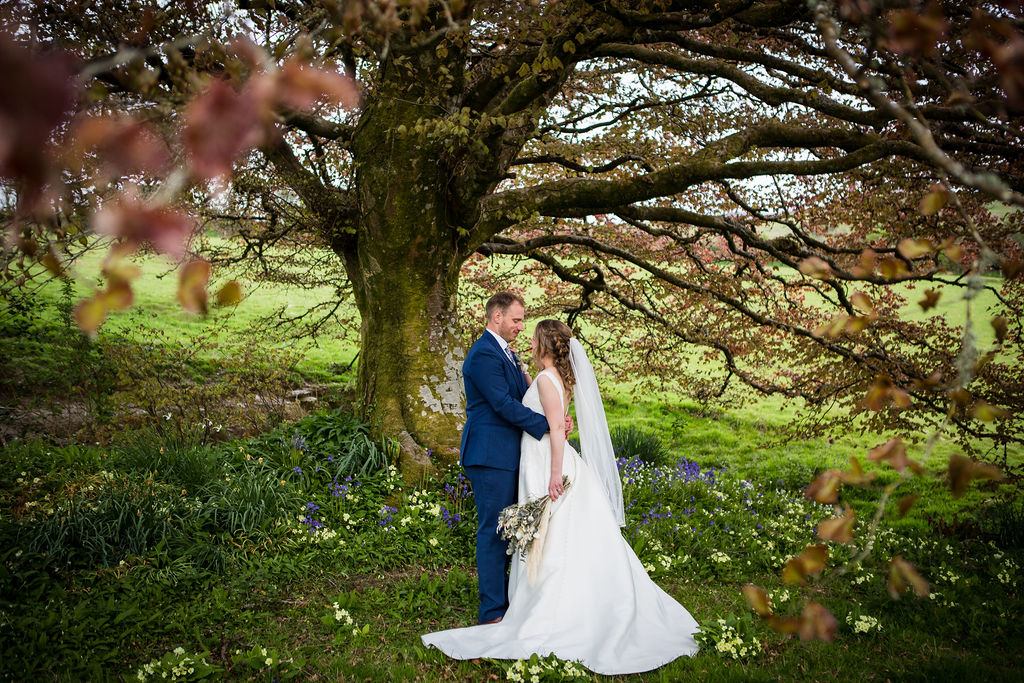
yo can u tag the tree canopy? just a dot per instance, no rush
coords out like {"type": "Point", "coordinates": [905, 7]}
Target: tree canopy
{"type": "Point", "coordinates": [767, 181]}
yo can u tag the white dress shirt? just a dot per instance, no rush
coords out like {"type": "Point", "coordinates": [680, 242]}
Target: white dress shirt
{"type": "Point", "coordinates": [504, 346]}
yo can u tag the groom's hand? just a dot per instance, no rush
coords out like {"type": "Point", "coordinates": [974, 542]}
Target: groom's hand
{"type": "Point", "coordinates": [568, 425]}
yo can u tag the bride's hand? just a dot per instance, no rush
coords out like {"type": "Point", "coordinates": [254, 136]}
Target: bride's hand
{"type": "Point", "coordinates": [555, 488]}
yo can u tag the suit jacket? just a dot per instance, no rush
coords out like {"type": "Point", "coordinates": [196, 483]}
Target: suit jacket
{"type": "Point", "coordinates": [495, 414]}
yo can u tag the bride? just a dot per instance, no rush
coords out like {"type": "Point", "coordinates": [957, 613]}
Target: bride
{"type": "Point", "coordinates": [586, 596]}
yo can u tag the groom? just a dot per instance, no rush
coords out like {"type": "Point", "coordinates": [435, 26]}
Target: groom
{"type": "Point", "coordinates": [495, 420]}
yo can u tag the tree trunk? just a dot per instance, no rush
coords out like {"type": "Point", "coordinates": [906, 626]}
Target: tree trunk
{"type": "Point", "coordinates": [405, 269]}
{"type": "Point", "coordinates": [410, 369]}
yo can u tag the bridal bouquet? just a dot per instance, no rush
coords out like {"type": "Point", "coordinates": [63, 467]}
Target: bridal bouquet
{"type": "Point", "coordinates": [523, 523]}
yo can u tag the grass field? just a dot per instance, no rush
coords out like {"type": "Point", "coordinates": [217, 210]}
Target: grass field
{"type": "Point", "coordinates": [252, 554]}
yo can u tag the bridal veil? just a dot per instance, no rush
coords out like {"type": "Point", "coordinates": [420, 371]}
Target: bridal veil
{"type": "Point", "coordinates": [595, 442]}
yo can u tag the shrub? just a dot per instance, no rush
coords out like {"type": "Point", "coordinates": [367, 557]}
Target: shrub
{"type": "Point", "coordinates": [107, 521]}
{"type": "Point", "coordinates": [631, 442]}
{"type": "Point", "coordinates": [167, 388]}
{"type": "Point", "coordinates": [335, 443]}
{"type": "Point", "coordinates": [171, 459]}
{"type": "Point", "coordinates": [249, 498]}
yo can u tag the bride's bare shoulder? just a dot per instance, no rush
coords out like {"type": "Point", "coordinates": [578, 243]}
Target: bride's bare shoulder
{"type": "Point", "coordinates": [556, 382]}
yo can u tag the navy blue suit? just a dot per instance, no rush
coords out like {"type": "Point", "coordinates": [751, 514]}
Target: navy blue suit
{"type": "Point", "coordinates": [495, 421]}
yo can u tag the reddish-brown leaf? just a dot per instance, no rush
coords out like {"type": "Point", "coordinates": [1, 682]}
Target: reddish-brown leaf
{"type": "Point", "coordinates": [933, 201]}
{"type": "Point", "coordinates": [961, 398]}
{"type": "Point", "coordinates": [833, 328]}
{"type": "Point", "coordinates": [856, 476]}
{"type": "Point", "coordinates": [52, 262]}
{"type": "Point", "coordinates": [931, 298]}
{"type": "Point", "coordinates": [893, 452]}
{"type": "Point", "coordinates": [90, 314]}
{"type": "Point", "coordinates": [878, 393]}
{"type": "Point", "coordinates": [815, 267]}
{"type": "Point", "coordinates": [816, 623]}
{"type": "Point", "coordinates": [221, 124]}
{"type": "Point", "coordinates": [906, 502]}
{"type": "Point", "coordinates": [911, 249]}
{"type": "Point", "coordinates": [838, 529]}
{"type": "Point", "coordinates": [986, 412]}
{"type": "Point", "coordinates": [117, 267]}
{"type": "Point", "coordinates": [300, 86]}
{"type": "Point", "coordinates": [1000, 326]}
{"type": "Point", "coordinates": [857, 324]}
{"type": "Point", "coordinates": [118, 296]}
{"type": "Point", "coordinates": [892, 268]}
{"type": "Point", "coordinates": [757, 599]}
{"type": "Point", "coordinates": [962, 470]}
{"type": "Point", "coordinates": [192, 285]}
{"type": "Point", "coordinates": [37, 92]}
{"type": "Point", "coordinates": [124, 146]}
{"type": "Point", "coordinates": [903, 575]}
{"type": "Point", "coordinates": [954, 252]}
{"type": "Point", "coordinates": [862, 302]}
{"type": "Point", "coordinates": [900, 398]}
{"type": "Point", "coordinates": [230, 294]}
{"type": "Point", "coordinates": [930, 382]}
{"type": "Point", "coordinates": [866, 266]}
{"type": "Point", "coordinates": [1012, 268]}
{"type": "Point", "coordinates": [825, 487]}
{"type": "Point", "coordinates": [810, 562]}
{"type": "Point", "coordinates": [915, 33]}
{"type": "Point", "coordinates": [132, 220]}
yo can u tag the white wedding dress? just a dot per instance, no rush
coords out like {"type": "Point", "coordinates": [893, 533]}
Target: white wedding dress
{"type": "Point", "coordinates": [589, 599]}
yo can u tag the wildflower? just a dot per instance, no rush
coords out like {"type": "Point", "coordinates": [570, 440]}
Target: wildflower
{"type": "Point", "coordinates": [433, 541]}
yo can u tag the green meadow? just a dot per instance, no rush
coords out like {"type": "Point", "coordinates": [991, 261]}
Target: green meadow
{"type": "Point", "coordinates": [273, 539]}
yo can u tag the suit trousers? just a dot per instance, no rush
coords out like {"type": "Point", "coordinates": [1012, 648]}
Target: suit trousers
{"type": "Point", "coordinates": [493, 490]}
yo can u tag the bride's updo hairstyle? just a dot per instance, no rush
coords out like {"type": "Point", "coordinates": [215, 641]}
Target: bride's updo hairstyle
{"type": "Point", "coordinates": [553, 340]}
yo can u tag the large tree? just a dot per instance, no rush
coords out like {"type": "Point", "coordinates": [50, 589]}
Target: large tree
{"type": "Point", "coordinates": [763, 179]}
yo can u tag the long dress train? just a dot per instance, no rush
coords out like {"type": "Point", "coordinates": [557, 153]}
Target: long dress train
{"type": "Point", "coordinates": [590, 599]}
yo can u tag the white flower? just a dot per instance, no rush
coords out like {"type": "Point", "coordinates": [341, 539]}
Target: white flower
{"type": "Point", "coordinates": [167, 416]}
{"type": "Point", "coordinates": [433, 541]}
{"type": "Point", "coordinates": [269, 661]}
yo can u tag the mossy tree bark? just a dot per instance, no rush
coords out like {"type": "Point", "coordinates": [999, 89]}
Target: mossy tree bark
{"type": "Point", "coordinates": [405, 268]}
